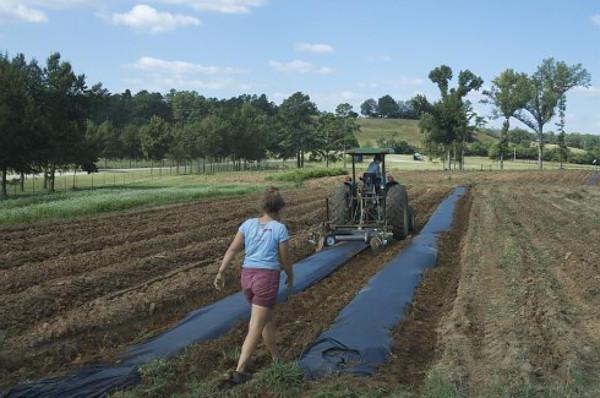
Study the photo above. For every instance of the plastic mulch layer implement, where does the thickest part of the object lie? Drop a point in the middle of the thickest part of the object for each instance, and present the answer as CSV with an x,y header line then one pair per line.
x,y
359,339
202,324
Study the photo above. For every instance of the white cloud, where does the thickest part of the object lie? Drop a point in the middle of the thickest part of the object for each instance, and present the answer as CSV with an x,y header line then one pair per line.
x,y
144,18
224,6
329,100
10,11
316,48
33,11
298,66
380,58
589,91
162,75
596,19
157,65
401,82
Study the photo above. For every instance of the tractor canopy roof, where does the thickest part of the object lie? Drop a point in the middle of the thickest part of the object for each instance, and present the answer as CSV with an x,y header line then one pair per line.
x,y
366,150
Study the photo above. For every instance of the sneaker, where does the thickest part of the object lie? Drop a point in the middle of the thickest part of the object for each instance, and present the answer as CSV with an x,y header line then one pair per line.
x,y
238,378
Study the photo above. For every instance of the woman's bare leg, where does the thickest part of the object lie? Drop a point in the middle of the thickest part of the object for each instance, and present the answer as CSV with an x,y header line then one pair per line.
x,y
258,319
269,337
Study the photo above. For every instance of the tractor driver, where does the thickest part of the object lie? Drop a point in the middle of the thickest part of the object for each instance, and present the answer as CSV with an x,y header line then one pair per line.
x,y
375,168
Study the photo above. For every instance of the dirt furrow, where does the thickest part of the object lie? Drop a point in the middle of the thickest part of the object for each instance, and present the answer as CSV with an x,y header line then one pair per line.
x,y
29,275
118,233
39,303
23,238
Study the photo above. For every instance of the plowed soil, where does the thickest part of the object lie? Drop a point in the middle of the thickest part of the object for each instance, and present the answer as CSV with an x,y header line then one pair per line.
x,y
303,316
511,310
81,291
71,292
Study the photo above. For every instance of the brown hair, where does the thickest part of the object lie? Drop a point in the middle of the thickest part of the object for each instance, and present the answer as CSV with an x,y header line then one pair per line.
x,y
272,201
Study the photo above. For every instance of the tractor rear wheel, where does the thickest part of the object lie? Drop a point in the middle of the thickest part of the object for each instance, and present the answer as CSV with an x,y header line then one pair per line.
x,y
339,206
397,211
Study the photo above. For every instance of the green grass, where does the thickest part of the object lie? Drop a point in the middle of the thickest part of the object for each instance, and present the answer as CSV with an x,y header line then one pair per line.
x,y
282,379
84,203
301,175
406,130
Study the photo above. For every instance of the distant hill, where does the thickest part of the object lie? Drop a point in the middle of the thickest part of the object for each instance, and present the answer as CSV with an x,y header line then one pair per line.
x,y
408,130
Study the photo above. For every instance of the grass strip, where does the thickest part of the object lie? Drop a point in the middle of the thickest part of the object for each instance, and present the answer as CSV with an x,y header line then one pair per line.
x,y
301,175
86,203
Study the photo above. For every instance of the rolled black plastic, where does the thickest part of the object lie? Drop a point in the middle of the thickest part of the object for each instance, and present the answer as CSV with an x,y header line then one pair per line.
x,y
203,324
359,339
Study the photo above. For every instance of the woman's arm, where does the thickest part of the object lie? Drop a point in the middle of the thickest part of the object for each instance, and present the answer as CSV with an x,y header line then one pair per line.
x,y
235,247
286,264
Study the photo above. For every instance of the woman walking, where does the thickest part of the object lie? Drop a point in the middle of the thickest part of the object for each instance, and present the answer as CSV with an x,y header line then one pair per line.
x,y
265,244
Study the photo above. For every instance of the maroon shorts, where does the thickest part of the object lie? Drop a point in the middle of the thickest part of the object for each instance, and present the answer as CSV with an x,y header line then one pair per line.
x,y
260,286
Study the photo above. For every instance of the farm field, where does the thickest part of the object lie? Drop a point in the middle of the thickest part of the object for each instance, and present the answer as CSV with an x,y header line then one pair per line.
x,y
407,130
139,189
511,310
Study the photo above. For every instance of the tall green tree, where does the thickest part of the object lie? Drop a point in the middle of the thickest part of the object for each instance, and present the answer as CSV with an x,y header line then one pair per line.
x,y
296,116
18,115
65,106
369,108
336,134
186,106
345,110
552,80
448,121
156,138
388,107
509,93
420,105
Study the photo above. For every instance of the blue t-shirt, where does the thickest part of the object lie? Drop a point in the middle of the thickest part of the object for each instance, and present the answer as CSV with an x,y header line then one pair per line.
x,y
374,169
261,243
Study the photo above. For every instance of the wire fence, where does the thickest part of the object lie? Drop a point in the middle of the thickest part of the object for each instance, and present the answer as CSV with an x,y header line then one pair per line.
x,y
124,173
114,176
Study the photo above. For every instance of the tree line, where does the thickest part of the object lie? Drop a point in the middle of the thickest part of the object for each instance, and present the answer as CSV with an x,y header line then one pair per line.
x,y
535,100
387,107
50,120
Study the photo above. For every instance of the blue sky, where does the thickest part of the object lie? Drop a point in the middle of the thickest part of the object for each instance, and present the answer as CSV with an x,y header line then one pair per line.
x,y
336,51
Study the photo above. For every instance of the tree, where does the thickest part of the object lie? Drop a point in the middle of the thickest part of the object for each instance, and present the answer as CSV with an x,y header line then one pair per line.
x,y
420,105
345,110
388,107
369,108
248,134
509,93
186,106
547,86
406,110
131,146
448,121
211,132
297,125
17,117
563,149
156,138
336,133
65,109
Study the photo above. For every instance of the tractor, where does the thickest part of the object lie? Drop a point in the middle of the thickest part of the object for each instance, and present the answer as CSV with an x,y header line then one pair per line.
x,y
373,208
